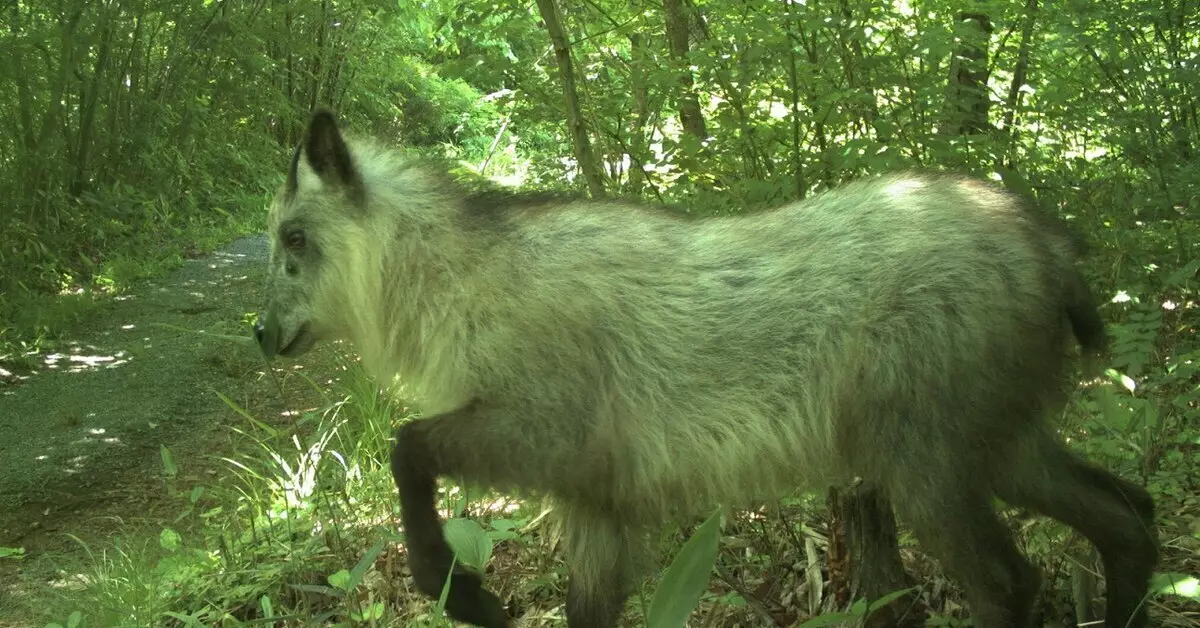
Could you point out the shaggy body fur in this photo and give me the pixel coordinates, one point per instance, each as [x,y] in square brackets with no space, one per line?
[910,330]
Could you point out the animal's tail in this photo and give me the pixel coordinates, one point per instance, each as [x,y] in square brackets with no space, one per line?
[1085,317]
[1081,305]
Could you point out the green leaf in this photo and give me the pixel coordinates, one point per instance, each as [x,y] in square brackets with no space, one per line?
[687,577]
[188,620]
[1178,584]
[12,552]
[1183,273]
[1113,413]
[364,563]
[169,539]
[74,619]
[888,599]
[469,542]
[242,412]
[315,588]
[340,580]
[372,613]
[168,461]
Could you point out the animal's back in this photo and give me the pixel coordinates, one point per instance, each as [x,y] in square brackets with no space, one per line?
[693,354]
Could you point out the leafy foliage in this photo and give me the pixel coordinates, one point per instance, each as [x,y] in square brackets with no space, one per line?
[137,132]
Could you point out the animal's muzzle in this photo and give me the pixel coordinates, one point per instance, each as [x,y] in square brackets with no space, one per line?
[274,341]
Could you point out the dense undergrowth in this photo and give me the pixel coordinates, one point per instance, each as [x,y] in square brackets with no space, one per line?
[137,136]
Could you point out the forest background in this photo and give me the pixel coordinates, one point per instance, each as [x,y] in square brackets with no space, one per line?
[137,134]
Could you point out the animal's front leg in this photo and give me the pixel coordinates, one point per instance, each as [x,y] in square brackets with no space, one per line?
[419,457]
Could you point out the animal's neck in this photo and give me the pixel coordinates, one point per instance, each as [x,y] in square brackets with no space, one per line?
[417,318]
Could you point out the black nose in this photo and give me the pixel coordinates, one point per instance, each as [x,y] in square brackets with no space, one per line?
[259,328]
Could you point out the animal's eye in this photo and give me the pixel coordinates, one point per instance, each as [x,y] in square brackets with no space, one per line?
[295,239]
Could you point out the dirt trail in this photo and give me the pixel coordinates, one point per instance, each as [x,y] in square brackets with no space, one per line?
[80,436]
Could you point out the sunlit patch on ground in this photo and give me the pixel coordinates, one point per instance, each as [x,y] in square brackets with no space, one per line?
[224,259]
[78,362]
[97,435]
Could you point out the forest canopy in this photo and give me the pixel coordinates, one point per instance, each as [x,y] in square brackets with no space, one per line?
[130,124]
[139,133]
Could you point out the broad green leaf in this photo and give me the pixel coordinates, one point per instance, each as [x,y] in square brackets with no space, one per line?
[687,578]
[469,542]
[888,599]
[340,580]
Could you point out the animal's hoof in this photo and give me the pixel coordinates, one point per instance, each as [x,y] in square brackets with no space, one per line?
[469,602]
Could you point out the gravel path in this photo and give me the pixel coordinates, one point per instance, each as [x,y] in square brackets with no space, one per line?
[138,373]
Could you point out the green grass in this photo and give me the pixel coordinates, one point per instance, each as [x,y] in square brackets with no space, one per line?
[301,525]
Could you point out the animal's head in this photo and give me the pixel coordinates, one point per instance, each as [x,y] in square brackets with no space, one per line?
[312,229]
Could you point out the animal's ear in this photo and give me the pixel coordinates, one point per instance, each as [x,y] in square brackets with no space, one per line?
[327,155]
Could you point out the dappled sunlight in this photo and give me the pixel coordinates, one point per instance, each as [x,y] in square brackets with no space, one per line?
[82,449]
[71,582]
[210,282]
[75,464]
[77,362]
[71,357]
[8,376]
[225,258]
[492,503]
[97,435]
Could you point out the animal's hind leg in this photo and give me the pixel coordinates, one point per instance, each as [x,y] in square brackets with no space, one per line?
[1115,515]
[601,563]
[953,519]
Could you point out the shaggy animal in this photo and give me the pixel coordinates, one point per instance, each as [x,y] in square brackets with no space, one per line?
[910,330]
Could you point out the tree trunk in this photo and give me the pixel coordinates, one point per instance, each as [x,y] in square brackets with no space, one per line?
[864,542]
[1020,72]
[641,114]
[91,95]
[967,100]
[794,87]
[575,126]
[690,115]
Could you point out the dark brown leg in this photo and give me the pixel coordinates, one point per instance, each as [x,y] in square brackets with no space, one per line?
[503,449]
[415,467]
[961,530]
[1115,515]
